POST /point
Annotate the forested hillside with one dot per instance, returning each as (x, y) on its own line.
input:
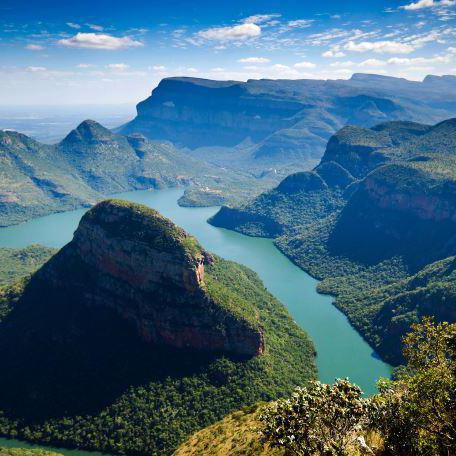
(377, 211)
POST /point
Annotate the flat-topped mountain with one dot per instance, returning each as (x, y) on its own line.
(278, 122)
(379, 208)
(134, 323)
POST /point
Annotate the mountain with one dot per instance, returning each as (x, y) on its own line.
(35, 180)
(261, 124)
(378, 209)
(92, 162)
(136, 337)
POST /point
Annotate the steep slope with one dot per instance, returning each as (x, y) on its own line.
(286, 122)
(137, 337)
(35, 179)
(382, 209)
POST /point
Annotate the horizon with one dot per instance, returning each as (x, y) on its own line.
(92, 54)
(135, 102)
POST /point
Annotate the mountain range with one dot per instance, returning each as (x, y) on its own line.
(376, 220)
(261, 124)
(226, 141)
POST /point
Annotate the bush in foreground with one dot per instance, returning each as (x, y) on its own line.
(415, 414)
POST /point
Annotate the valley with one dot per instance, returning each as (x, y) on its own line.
(334, 338)
(146, 325)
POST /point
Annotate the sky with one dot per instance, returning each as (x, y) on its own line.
(108, 52)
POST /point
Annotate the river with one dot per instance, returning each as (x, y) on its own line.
(341, 351)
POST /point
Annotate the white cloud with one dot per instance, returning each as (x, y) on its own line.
(85, 65)
(34, 47)
(419, 61)
(452, 50)
(99, 41)
(118, 66)
(372, 63)
(300, 23)
(260, 18)
(333, 54)
(237, 32)
(254, 60)
(95, 27)
(159, 68)
(420, 4)
(36, 69)
(306, 65)
(380, 47)
(73, 25)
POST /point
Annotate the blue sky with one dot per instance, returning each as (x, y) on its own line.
(80, 52)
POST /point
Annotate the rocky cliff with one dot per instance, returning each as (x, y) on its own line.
(395, 209)
(150, 273)
(282, 122)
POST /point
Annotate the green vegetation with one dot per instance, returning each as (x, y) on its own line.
(149, 401)
(235, 435)
(361, 237)
(17, 263)
(318, 419)
(142, 224)
(412, 415)
(416, 413)
(26, 452)
(91, 162)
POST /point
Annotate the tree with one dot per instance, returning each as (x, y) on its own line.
(318, 419)
(417, 412)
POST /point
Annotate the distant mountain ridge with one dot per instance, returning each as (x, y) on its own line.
(287, 121)
(378, 209)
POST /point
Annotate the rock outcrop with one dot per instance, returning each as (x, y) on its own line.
(131, 262)
(395, 209)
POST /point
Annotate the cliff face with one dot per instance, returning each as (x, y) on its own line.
(398, 210)
(414, 193)
(284, 121)
(209, 113)
(131, 261)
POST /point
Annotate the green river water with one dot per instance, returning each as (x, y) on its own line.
(341, 351)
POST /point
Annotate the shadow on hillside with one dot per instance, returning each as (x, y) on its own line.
(77, 362)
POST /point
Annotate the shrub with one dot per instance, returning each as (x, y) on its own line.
(319, 419)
